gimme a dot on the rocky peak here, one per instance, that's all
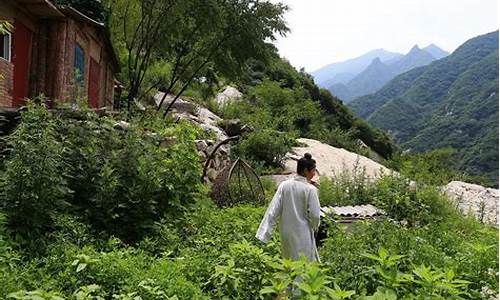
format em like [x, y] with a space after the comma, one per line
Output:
[415, 49]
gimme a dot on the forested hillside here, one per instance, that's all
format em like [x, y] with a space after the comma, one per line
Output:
[451, 103]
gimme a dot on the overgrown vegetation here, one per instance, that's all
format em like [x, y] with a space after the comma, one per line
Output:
[97, 208]
[164, 239]
[119, 181]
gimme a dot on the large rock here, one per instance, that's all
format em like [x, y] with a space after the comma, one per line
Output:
[230, 94]
[474, 199]
[208, 121]
[332, 161]
[197, 115]
[180, 105]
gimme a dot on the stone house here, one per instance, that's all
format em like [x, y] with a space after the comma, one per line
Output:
[55, 51]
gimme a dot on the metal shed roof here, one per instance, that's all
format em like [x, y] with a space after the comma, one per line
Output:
[357, 211]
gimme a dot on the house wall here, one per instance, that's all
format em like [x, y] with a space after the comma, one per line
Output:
[6, 67]
[87, 37]
[52, 67]
[15, 15]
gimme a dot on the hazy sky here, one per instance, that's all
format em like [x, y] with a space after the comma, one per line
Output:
[326, 31]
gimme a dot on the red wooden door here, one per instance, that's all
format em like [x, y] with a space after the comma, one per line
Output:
[94, 75]
[21, 43]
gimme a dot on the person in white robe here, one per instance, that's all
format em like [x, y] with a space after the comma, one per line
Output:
[297, 209]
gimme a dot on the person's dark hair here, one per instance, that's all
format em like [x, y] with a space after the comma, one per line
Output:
[306, 162]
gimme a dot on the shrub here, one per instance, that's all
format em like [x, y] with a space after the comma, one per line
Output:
[416, 205]
[401, 199]
[266, 146]
[123, 181]
[33, 188]
[119, 181]
[346, 188]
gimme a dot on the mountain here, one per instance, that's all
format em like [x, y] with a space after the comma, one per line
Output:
[453, 102]
[343, 72]
[377, 73]
[370, 80]
[435, 51]
[415, 58]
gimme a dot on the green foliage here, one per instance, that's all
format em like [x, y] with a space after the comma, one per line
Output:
[34, 188]
[300, 279]
[346, 188]
[34, 295]
[401, 199]
[196, 38]
[210, 253]
[123, 181]
[243, 272]
[287, 100]
[365, 259]
[267, 146]
[287, 107]
[434, 167]
[118, 181]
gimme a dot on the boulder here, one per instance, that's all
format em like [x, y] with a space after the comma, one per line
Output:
[180, 105]
[332, 161]
[230, 94]
[479, 201]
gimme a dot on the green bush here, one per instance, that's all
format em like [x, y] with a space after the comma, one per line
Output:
[346, 188]
[402, 200]
[33, 187]
[267, 147]
[118, 181]
[123, 181]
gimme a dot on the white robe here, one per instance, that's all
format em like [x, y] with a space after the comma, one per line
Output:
[296, 206]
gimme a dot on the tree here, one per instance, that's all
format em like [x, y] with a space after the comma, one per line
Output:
[137, 27]
[242, 32]
[192, 36]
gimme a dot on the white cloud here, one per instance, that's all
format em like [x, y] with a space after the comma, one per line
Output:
[325, 31]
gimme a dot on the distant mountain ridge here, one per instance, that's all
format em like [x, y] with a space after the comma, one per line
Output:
[378, 72]
[452, 102]
[435, 51]
[343, 72]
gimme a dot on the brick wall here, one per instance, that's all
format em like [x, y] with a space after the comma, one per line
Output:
[6, 83]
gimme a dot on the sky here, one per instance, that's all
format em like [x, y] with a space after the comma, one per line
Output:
[327, 31]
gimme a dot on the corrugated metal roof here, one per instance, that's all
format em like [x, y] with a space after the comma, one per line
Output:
[357, 211]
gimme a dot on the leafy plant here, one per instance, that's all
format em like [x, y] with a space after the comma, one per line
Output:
[33, 187]
[266, 146]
